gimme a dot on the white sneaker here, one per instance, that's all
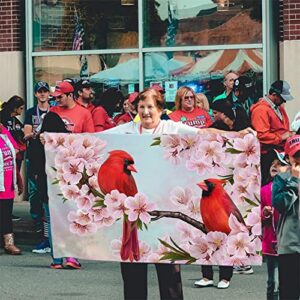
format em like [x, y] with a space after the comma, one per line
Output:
[223, 284]
[243, 270]
[204, 283]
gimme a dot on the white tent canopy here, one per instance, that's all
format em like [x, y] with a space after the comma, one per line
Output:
[184, 9]
[157, 67]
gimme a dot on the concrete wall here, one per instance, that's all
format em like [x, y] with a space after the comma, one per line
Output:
[12, 74]
[290, 71]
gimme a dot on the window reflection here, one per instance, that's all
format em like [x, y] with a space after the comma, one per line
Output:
[104, 71]
[203, 70]
[107, 24]
[205, 22]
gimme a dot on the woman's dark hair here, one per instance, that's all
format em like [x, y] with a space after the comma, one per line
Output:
[8, 107]
[111, 100]
[53, 123]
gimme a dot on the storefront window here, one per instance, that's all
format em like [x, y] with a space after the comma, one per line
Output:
[58, 25]
[202, 70]
[111, 70]
[206, 22]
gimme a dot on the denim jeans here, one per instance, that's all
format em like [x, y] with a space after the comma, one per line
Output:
[36, 206]
[57, 261]
[273, 277]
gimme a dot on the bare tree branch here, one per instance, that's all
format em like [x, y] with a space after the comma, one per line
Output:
[177, 215]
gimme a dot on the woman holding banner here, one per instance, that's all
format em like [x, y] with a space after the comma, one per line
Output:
[150, 104]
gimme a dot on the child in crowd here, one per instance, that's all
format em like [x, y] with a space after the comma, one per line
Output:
[285, 198]
[9, 178]
[270, 217]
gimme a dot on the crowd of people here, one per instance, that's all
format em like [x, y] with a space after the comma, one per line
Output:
[77, 111]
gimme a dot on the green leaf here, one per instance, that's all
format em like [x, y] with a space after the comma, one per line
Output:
[64, 199]
[146, 226]
[250, 201]
[167, 245]
[54, 169]
[139, 224]
[155, 143]
[56, 181]
[99, 203]
[233, 151]
[97, 193]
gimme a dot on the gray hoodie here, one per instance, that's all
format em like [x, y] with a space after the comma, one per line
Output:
[285, 198]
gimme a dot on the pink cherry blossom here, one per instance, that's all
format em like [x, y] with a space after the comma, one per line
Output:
[254, 220]
[81, 230]
[181, 196]
[250, 149]
[85, 202]
[198, 163]
[211, 152]
[187, 232]
[190, 143]
[72, 171]
[92, 168]
[200, 248]
[171, 142]
[154, 257]
[236, 226]
[138, 207]
[216, 239]
[240, 244]
[114, 198]
[70, 192]
[115, 246]
[172, 156]
[145, 250]
[80, 217]
[102, 216]
[193, 208]
[236, 260]
[93, 182]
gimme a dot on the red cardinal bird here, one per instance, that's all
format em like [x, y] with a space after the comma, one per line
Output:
[115, 174]
[216, 206]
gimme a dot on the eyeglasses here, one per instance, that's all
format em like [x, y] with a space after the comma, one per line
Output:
[189, 97]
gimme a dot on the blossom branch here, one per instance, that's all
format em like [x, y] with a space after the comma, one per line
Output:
[177, 215]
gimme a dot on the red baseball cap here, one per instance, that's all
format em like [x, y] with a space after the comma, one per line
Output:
[63, 87]
[158, 87]
[132, 96]
[292, 145]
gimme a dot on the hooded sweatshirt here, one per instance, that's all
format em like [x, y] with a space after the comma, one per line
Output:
[285, 197]
[268, 125]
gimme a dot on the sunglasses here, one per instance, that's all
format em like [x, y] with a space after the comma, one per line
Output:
[189, 97]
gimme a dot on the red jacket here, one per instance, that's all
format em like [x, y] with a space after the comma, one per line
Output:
[268, 126]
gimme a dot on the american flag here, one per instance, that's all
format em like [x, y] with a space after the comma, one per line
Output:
[78, 45]
[171, 30]
[78, 33]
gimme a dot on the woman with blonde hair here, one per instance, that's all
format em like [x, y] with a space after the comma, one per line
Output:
[202, 102]
[187, 111]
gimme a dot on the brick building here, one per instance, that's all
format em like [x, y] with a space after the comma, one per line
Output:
[119, 31]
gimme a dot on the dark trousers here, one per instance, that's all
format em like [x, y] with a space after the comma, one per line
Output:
[135, 281]
[289, 276]
[225, 272]
[6, 206]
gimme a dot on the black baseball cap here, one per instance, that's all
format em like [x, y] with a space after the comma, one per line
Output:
[41, 85]
[283, 89]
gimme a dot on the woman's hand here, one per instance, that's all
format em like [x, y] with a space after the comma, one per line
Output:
[42, 139]
[247, 131]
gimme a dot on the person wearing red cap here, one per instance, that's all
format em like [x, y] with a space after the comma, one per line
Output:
[187, 111]
[128, 111]
[285, 193]
[76, 118]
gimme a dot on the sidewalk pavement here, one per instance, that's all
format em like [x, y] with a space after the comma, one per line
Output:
[23, 229]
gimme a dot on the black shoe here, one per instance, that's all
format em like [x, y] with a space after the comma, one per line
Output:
[15, 218]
